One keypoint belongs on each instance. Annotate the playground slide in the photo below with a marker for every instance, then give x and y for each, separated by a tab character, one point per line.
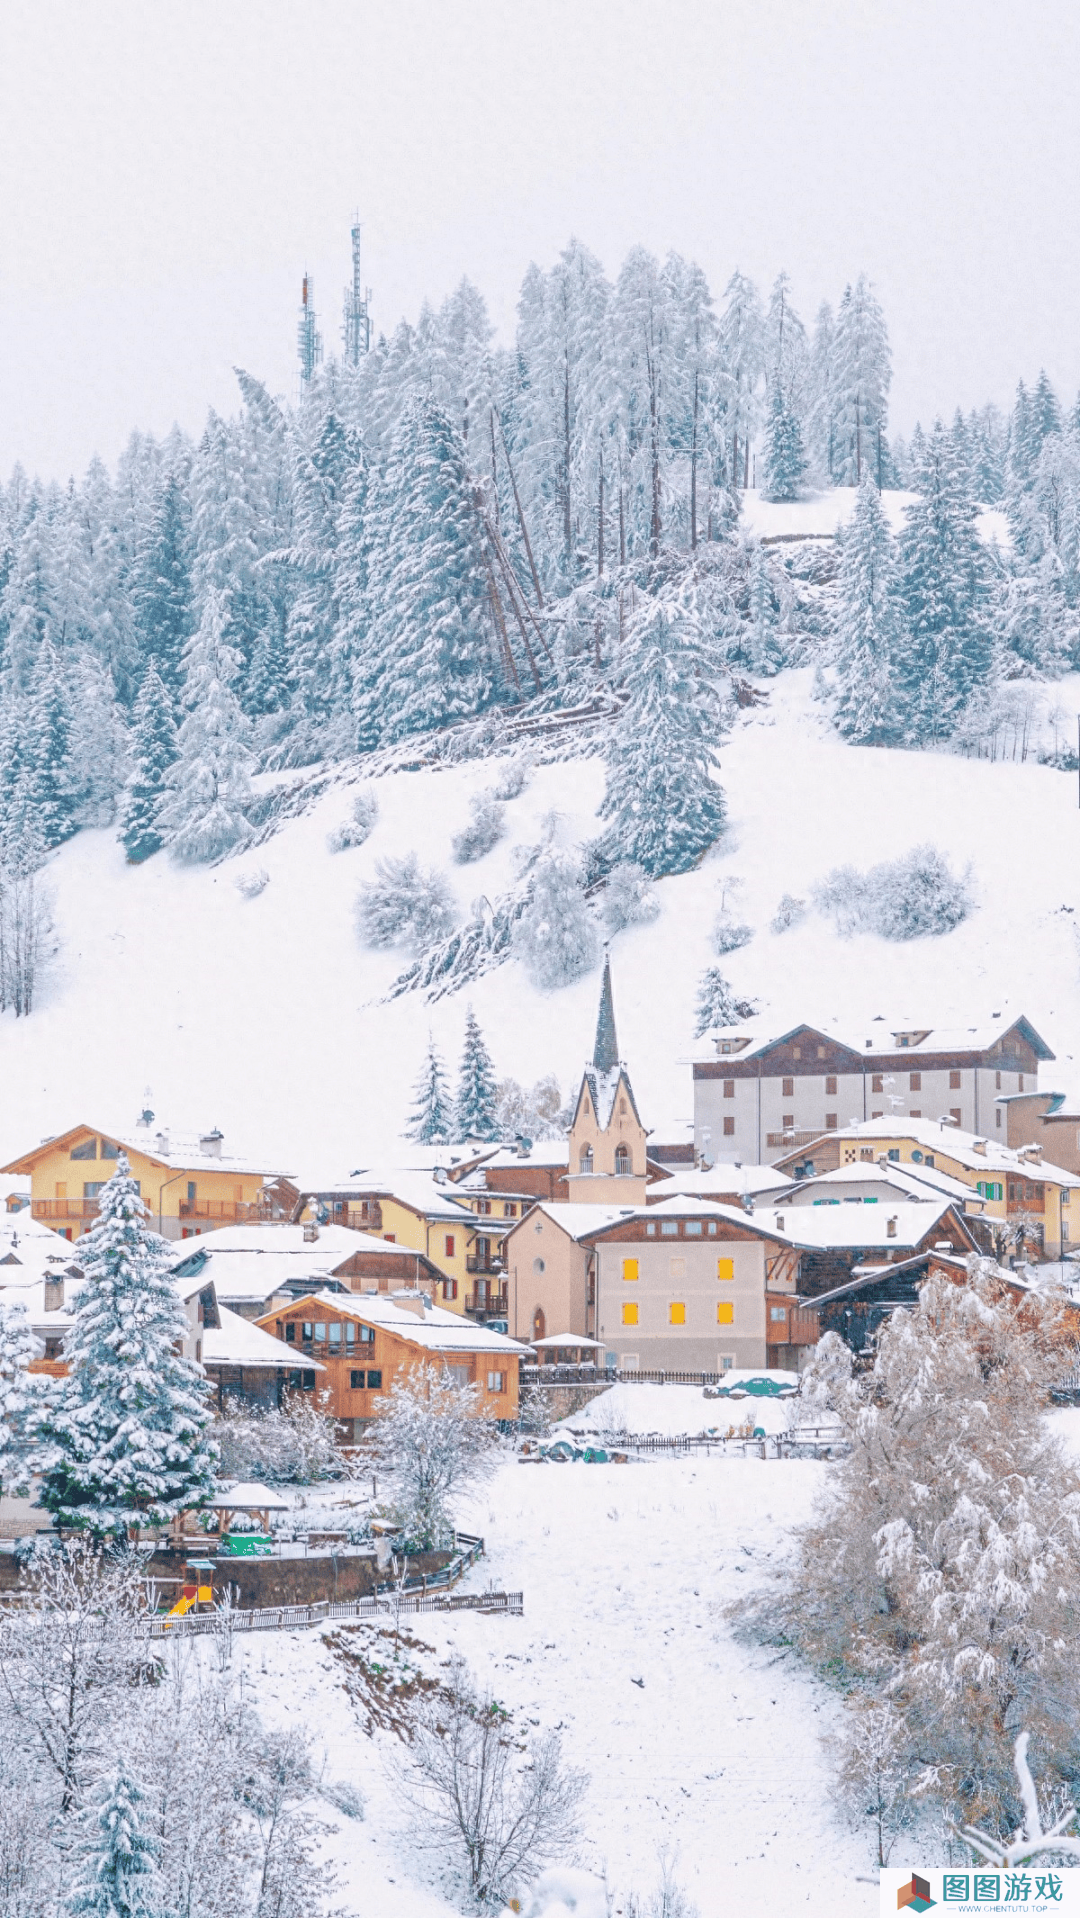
182	1605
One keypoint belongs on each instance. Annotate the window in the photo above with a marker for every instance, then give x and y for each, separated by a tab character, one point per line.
496	1381
366	1335
894	1152
866	1152
915	1113
91	1188
874	1115
87	1150
540	1265
712	1228
877	1082
669	1228
629	1268
1020	1082
676	1312
729	1088
629	1312
111	1151
484	1206
307	1331
335	1333
1065	1195
787	1089
830	1122
1012	1192
725	1312
390	1237
954	1082
778	1314
955	1113
356	1381
787	1121
651	1229
729	1126
830	1086
692	1228
915	1081
929	1160
1064	1231
622	1162
725	1270
726	1361
350	1332
997	1121
374	1381
821	1052
509	1211
796	1052
290	1332
449	1287
585	1160
320	1332
192	1192
997	1082
451	1245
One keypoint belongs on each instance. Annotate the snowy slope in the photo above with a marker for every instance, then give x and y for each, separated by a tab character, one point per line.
262	1015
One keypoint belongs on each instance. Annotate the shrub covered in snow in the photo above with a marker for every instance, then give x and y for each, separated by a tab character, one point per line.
295	1445
484	830
729	933
250	884
718	1004
360	824
629	898
404	905
790	912
556	935
511	782
915	897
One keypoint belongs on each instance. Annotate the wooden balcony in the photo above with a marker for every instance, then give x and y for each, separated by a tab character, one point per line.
486	1304
791	1141
222	1211
490	1264
799	1328
63	1209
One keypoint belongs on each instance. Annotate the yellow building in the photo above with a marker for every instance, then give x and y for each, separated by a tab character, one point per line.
413	1209
607	1138
190	1184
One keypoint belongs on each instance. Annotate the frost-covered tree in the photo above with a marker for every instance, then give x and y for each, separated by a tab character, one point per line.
785	459
742	350
47	772
99	746
124	1438
484	830
763	641
862	373
556	933
153	753
629	898
477	1087
662	802
868	627
431	1443
718	1004
431	1121
204	812
404	905
17	1347
945	590
162	595
117	1873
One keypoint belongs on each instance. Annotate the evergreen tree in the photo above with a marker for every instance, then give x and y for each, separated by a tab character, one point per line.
118	1876
868	627
556	934
718	1004
17	1347
49	794
785	460
125	1443
765	650
153	752
432	1118
661	799
477	1099
204	812
742	359
98	765
26	609
162	593
862	372
945	590
821	397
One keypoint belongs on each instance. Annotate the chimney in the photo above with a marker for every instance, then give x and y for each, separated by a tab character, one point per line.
890	1227
54	1291
311	1231
979	1146
210	1143
409	1302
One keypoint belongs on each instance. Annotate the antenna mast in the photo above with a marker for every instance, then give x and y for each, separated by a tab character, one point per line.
356	329
308	337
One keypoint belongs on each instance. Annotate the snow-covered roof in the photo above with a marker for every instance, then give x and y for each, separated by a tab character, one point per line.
544	1152
178	1151
437	1331
416	1189
26	1244
555	1339
886	1036
971	1149
252	1262
845	1228
743	1179
576	1219
238	1341
249	1496
918	1182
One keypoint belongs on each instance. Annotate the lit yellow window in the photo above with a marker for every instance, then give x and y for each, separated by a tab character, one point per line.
725	1269
725	1312
677	1313
629	1313
629	1268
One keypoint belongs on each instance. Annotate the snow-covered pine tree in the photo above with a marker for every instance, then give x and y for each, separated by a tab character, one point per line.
868	628
48	748
204	812
153	752
431	1121
766	652
862	372
821	397
427	659
556	934
945	589
117	1875
99	759
477	1088
124	1439
742	359
661	800
162	595
718	1004
17	1347
785	460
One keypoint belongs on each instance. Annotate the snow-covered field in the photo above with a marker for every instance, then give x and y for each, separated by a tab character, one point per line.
695	1743
262	1015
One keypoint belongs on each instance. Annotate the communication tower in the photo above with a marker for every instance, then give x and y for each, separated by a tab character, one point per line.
356	330
308	337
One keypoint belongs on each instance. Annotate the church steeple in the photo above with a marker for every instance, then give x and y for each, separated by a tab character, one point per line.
606	1049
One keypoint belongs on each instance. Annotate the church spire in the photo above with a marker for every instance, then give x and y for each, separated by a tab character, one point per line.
606	1049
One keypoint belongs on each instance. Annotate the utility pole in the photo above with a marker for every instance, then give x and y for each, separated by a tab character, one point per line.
309	344
356	325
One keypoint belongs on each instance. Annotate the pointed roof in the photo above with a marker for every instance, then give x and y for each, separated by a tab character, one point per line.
606	1047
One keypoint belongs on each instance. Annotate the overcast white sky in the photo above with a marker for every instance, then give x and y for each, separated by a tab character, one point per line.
168	170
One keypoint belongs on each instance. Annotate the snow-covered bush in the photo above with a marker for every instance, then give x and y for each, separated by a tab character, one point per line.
360	824
404	905
17	1347
940	1576
629	898
536	1112
293	1445
250	884
790	912
915	897
718	1004
511	782
556	935
564	1890
430	1443
728	933
484	830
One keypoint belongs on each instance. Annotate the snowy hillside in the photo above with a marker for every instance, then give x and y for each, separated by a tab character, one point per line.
263	1015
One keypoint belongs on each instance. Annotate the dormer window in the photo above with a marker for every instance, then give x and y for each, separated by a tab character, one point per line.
622	1162
585	1161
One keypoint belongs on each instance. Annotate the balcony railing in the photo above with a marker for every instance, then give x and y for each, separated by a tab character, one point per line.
777	1141
799	1328
492	1305
234	1211
64	1209
490	1264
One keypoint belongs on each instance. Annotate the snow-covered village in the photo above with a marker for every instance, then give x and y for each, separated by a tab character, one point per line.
539	961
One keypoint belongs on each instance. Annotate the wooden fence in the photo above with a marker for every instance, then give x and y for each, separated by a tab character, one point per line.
288	1618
